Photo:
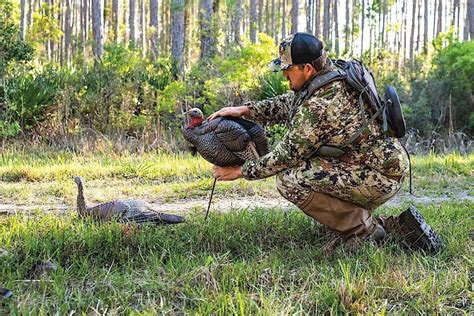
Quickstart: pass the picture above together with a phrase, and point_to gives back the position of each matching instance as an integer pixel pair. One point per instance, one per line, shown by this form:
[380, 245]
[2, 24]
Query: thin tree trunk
[238, 21]
[425, 28]
[362, 29]
[336, 27]
[283, 19]
[68, 31]
[347, 27]
[154, 25]
[116, 19]
[260, 15]
[207, 39]
[143, 27]
[267, 17]
[253, 21]
[273, 27]
[294, 16]
[29, 16]
[309, 10]
[384, 18]
[97, 26]
[418, 26]
[412, 32]
[470, 18]
[317, 19]
[326, 20]
[132, 23]
[439, 28]
[177, 36]
[23, 19]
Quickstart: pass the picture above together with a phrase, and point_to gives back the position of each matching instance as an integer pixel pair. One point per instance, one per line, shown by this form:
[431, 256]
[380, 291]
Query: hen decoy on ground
[137, 211]
[225, 141]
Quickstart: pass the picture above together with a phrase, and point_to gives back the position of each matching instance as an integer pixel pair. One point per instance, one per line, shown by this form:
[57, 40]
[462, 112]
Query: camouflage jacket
[330, 116]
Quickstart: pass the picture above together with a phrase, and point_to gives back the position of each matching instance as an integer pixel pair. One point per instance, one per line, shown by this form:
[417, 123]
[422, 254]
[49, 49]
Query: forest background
[125, 71]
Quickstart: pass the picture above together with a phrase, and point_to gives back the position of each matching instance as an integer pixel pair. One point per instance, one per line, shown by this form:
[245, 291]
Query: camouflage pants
[360, 185]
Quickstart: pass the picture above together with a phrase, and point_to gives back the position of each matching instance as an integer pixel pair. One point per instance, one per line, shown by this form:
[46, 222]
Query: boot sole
[5, 293]
[418, 234]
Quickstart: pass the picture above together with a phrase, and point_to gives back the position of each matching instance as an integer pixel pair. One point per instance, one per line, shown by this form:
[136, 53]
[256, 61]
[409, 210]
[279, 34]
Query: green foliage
[27, 96]
[12, 48]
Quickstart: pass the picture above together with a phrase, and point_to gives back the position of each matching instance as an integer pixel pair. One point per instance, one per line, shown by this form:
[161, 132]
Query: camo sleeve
[273, 110]
[318, 120]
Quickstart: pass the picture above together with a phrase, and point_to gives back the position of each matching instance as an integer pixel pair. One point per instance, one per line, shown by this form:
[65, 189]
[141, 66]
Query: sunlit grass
[56, 166]
[244, 262]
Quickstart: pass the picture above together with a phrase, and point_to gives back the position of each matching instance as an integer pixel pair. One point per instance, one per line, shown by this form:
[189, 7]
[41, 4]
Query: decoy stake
[210, 198]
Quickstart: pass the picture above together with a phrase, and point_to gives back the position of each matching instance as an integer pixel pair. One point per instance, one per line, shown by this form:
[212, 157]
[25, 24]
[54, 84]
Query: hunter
[339, 192]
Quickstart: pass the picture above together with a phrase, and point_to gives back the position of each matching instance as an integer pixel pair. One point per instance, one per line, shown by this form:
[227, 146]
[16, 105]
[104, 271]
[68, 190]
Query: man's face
[297, 75]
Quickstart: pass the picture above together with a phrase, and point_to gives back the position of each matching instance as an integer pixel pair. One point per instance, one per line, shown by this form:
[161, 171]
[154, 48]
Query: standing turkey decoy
[137, 211]
[225, 141]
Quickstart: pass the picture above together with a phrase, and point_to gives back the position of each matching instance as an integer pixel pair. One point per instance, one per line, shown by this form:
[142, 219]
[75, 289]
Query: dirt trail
[223, 204]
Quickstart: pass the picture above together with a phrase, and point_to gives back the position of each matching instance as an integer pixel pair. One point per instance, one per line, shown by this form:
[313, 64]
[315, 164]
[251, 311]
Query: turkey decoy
[136, 211]
[225, 141]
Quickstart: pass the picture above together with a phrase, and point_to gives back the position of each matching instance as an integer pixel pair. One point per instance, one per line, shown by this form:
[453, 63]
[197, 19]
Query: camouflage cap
[298, 48]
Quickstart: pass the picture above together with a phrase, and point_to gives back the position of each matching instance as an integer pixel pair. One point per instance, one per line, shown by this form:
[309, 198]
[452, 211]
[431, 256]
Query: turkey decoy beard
[225, 141]
[125, 211]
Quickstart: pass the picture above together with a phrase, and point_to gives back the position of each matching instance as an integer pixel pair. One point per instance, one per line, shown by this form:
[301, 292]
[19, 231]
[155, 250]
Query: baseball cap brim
[276, 65]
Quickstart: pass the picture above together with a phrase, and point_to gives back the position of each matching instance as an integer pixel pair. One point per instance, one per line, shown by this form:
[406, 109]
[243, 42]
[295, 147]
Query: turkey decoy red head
[196, 117]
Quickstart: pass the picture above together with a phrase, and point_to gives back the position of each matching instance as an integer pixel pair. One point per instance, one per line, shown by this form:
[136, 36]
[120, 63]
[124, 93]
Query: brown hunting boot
[413, 229]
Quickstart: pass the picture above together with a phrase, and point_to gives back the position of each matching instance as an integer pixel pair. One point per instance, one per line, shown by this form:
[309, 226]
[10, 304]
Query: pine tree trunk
[143, 28]
[283, 18]
[317, 19]
[418, 26]
[132, 23]
[23, 19]
[260, 15]
[29, 16]
[253, 21]
[238, 21]
[470, 18]
[440, 17]
[362, 29]
[154, 25]
[309, 10]
[336, 27]
[177, 36]
[207, 39]
[347, 27]
[425, 28]
[412, 32]
[267, 17]
[273, 30]
[116, 19]
[384, 18]
[326, 20]
[294, 16]
[68, 31]
[97, 26]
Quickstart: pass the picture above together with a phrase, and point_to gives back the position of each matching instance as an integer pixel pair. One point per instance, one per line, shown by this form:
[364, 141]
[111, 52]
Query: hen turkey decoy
[136, 211]
[225, 141]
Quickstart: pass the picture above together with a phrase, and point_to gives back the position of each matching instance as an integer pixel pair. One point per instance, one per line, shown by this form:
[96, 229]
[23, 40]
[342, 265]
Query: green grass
[262, 261]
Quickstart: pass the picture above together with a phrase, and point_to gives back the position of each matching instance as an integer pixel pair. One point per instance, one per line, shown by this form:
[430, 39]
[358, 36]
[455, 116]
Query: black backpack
[387, 110]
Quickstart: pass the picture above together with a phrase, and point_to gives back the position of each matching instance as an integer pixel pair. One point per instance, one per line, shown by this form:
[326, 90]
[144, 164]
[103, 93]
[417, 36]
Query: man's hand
[227, 173]
[235, 111]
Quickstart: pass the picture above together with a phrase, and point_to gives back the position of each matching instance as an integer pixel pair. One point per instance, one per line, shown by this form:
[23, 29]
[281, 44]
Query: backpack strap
[323, 80]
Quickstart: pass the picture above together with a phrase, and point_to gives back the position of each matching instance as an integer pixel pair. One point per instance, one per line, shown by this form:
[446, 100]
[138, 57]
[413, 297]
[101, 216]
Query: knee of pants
[290, 190]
